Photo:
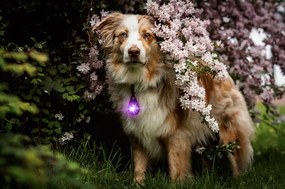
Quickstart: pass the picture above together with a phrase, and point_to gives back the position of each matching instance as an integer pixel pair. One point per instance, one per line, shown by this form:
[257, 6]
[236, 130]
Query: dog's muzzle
[134, 55]
[134, 52]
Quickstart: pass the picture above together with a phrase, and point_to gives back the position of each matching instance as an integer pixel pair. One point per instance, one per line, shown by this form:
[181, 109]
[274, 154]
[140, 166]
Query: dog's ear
[149, 18]
[146, 19]
[107, 27]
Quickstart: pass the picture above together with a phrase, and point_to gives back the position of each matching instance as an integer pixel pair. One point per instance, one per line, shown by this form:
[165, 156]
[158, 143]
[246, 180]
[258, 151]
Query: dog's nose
[134, 52]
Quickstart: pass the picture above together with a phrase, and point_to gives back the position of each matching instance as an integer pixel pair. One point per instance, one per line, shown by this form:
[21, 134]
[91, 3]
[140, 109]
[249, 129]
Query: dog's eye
[123, 35]
[147, 36]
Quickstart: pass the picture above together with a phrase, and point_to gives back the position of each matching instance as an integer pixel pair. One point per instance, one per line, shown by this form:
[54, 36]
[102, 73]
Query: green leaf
[40, 69]
[54, 139]
[39, 92]
[40, 45]
[18, 56]
[50, 124]
[36, 119]
[57, 124]
[72, 98]
[2, 62]
[45, 130]
[71, 92]
[48, 84]
[62, 68]
[70, 88]
[45, 120]
[21, 68]
[36, 98]
[59, 87]
[36, 81]
[40, 74]
[25, 106]
[35, 130]
[39, 57]
[28, 97]
[52, 71]
[81, 107]
[65, 95]
[45, 111]
[58, 131]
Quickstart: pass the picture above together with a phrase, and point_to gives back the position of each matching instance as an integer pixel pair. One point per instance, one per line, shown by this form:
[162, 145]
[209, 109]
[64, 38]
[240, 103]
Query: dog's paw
[139, 180]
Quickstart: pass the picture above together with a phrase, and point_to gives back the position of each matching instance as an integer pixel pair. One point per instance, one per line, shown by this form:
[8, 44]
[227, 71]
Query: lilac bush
[233, 23]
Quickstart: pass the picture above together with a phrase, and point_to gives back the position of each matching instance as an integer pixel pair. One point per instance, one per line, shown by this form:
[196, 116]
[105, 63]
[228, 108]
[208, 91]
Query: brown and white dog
[135, 66]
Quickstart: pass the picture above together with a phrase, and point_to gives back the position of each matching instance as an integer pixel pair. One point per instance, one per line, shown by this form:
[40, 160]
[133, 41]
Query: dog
[160, 128]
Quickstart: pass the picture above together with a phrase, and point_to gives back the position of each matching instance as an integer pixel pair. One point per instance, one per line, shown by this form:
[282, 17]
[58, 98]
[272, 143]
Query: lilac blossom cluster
[92, 65]
[184, 36]
[65, 138]
[251, 64]
[90, 69]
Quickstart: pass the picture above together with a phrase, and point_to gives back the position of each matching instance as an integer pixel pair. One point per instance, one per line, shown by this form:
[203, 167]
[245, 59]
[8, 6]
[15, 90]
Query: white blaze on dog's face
[132, 47]
[134, 37]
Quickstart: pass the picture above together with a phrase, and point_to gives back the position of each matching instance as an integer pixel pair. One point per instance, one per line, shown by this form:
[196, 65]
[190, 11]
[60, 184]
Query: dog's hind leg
[244, 134]
[244, 154]
[241, 158]
[234, 165]
[227, 134]
[238, 129]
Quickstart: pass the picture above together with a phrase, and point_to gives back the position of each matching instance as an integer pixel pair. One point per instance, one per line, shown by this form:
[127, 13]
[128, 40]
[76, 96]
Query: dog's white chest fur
[149, 124]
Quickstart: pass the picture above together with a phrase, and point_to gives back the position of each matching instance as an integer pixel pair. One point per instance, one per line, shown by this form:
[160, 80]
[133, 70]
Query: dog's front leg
[178, 149]
[140, 158]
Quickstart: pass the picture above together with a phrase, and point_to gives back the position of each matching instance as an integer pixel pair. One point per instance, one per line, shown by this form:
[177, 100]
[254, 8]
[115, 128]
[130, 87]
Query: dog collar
[133, 108]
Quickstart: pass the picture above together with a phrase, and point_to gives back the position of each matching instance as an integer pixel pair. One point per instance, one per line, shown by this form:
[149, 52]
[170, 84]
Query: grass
[267, 171]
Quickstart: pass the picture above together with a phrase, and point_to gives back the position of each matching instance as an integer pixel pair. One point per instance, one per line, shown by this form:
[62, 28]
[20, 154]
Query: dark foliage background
[56, 28]
[58, 33]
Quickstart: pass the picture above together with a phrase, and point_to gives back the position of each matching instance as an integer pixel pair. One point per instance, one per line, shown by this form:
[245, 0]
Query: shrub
[25, 166]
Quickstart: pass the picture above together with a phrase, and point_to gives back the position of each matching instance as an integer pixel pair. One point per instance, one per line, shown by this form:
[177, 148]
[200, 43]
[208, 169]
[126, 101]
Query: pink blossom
[93, 77]
[104, 14]
[93, 52]
[94, 20]
[267, 95]
[96, 64]
[213, 124]
[84, 68]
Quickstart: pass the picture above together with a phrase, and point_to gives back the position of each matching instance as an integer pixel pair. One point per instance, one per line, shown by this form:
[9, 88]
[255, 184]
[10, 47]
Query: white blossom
[59, 116]
[65, 137]
[200, 149]
[84, 68]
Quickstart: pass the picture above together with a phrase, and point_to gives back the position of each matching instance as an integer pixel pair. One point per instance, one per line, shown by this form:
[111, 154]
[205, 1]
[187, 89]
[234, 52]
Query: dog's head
[128, 38]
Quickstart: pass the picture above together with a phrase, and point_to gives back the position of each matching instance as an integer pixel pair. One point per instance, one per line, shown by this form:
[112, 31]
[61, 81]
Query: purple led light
[133, 107]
